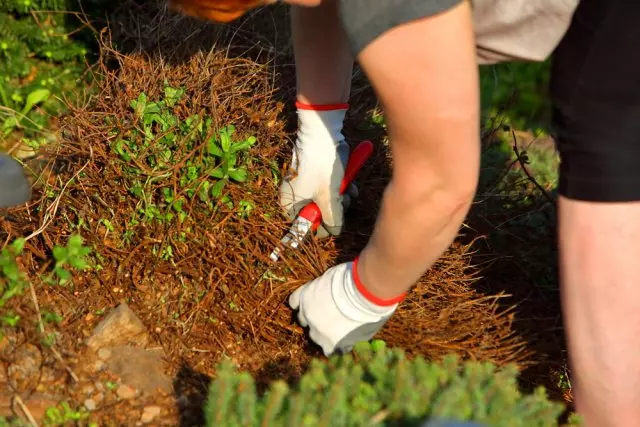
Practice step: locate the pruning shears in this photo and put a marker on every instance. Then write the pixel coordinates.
(309, 218)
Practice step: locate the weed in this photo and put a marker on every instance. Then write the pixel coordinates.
(63, 414)
(12, 281)
(73, 255)
(171, 162)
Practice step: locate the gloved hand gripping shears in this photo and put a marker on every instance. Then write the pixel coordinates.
(309, 218)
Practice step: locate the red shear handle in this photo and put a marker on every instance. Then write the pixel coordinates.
(358, 157)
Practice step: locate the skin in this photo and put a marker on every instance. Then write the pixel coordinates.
(599, 271)
(435, 145)
(318, 35)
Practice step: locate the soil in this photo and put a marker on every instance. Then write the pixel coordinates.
(217, 295)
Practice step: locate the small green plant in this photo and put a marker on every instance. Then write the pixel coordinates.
(71, 256)
(16, 120)
(63, 414)
(380, 386)
(12, 281)
(162, 149)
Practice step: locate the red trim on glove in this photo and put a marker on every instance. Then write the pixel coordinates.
(323, 107)
(368, 295)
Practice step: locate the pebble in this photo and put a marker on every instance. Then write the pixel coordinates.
(125, 392)
(98, 365)
(149, 413)
(90, 404)
(88, 389)
(104, 353)
(99, 397)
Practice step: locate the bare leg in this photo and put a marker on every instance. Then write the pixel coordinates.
(600, 273)
(323, 59)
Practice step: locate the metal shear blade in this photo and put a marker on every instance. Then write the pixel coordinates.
(298, 231)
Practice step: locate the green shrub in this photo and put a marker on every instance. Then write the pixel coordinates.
(43, 52)
(378, 386)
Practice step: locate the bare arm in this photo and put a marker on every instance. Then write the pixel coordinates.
(323, 59)
(425, 75)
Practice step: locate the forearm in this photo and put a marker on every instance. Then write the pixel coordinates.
(322, 56)
(435, 144)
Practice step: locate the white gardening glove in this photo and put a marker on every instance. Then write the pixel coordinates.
(317, 167)
(336, 310)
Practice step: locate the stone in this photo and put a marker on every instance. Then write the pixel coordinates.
(104, 353)
(88, 389)
(9, 342)
(24, 372)
(98, 366)
(120, 327)
(125, 392)
(149, 413)
(90, 404)
(139, 368)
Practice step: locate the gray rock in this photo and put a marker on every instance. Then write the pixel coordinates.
(139, 368)
(119, 327)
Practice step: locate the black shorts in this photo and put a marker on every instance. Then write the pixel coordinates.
(594, 88)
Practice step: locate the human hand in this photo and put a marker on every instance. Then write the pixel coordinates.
(318, 163)
(336, 311)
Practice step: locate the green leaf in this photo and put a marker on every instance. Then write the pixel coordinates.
(10, 271)
(239, 175)
(35, 97)
(63, 274)
(217, 173)
(172, 95)
(139, 105)
(10, 320)
(60, 253)
(17, 245)
(75, 242)
(213, 148)
(225, 137)
(203, 192)
(247, 143)
(232, 159)
(78, 263)
(216, 190)
(152, 108)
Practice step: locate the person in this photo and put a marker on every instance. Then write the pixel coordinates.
(421, 59)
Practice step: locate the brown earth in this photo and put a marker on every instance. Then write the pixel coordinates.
(214, 297)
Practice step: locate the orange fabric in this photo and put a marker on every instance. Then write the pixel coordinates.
(215, 10)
